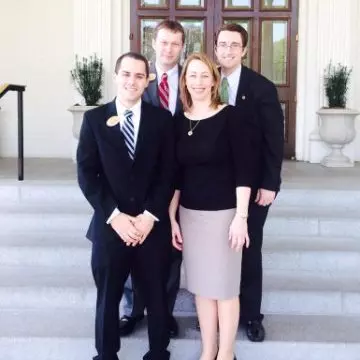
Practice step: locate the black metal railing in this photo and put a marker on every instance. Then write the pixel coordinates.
(4, 88)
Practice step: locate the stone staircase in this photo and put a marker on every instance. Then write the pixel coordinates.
(311, 278)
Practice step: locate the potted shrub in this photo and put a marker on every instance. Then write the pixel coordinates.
(87, 77)
(337, 127)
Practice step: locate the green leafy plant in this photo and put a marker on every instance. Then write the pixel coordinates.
(336, 83)
(87, 77)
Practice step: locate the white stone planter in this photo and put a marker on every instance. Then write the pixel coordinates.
(78, 114)
(337, 129)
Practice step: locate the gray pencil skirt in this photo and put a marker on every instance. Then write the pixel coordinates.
(212, 268)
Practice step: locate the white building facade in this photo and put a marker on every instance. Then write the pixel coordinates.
(43, 38)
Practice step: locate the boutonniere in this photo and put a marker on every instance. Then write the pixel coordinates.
(112, 121)
(152, 76)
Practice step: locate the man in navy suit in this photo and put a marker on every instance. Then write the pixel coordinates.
(244, 87)
(163, 91)
(125, 170)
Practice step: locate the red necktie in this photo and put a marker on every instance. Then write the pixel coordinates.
(164, 91)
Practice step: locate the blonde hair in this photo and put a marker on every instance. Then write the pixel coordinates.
(184, 93)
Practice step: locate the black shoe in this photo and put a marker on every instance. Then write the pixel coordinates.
(128, 324)
(255, 331)
(173, 327)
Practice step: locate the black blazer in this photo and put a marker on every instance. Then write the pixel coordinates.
(260, 93)
(109, 179)
(151, 94)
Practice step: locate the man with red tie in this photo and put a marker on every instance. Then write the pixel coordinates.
(162, 91)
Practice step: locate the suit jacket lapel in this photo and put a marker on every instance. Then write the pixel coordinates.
(153, 87)
(144, 129)
(243, 85)
(114, 135)
(178, 106)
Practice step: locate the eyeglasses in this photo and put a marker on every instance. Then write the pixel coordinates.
(232, 46)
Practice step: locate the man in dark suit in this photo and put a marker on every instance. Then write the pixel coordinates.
(162, 91)
(125, 170)
(243, 87)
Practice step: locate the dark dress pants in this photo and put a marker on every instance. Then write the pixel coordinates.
(252, 272)
(172, 286)
(111, 263)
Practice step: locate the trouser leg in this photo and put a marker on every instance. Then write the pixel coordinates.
(252, 272)
(151, 270)
(110, 268)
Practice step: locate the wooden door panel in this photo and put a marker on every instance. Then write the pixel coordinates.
(272, 48)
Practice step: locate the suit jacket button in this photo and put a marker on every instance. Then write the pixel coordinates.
(132, 199)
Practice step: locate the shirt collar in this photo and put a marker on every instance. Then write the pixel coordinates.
(234, 77)
(120, 108)
(174, 70)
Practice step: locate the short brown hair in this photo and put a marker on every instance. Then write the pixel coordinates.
(184, 93)
(135, 56)
(235, 28)
(171, 25)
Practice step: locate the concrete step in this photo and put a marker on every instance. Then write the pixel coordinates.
(312, 254)
(57, 191)
(312, 222)
(300, 292)
(49, 222)
(281, 221)
(308, 197)
(271, 242)
(68, 334)
(41, 192)
(286, 293)
(46, 240)
(45, 206)
(283, 253)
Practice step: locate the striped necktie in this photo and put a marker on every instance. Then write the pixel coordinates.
(164, 91)
(129, 133)
(224, 90)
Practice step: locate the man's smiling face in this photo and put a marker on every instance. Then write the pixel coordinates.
(229, 50)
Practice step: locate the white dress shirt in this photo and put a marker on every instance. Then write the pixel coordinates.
(136, 109)
(233, 80)
(173, 81)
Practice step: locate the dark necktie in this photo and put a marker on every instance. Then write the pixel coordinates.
(224, 90)
(164, 91)
(129, 133)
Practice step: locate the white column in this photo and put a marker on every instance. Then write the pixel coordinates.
(354, 100)
(101, 27)
(327, 32)
(120, 32)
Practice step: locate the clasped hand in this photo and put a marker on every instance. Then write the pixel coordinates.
(238, 233)
(132, 230)
(265, 197)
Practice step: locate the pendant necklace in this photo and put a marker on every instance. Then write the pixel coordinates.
(191, 129)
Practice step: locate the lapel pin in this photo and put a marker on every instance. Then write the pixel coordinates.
(152, 76)
(243, 97)
(112, 121)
